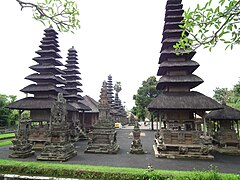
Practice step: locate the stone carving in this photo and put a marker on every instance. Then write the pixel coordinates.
(21, 146)
(102, 139)
(59, 148)
(136, 145)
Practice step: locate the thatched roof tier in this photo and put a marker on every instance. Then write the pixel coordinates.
(173, 18)
(44, 68)
(71, 66)
(80, 106)
(49, 60)
(45, 78)
(183, 101)
(48, 53)
(189, 66)
(227, 113)
(74, 83)
(174, 12)
(73, 97)
(73, 88)
(31, 103)
(71, 76)
(172, 25)
(90, 102)
(71, 71)
(174, 2)
(49, 46)
(174, 6)
(190, 81)
(33, 88)
(73, 60)
(165, 54)
(49, 40)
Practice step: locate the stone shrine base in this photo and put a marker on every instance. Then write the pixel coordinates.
(176, 155)
(21, 154)
(102, 149)
(228, 150)
(57, 153)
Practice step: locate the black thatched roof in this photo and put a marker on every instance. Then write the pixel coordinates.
(50, 60)
(190, 66)
(44, 68)
(190, 81)
(31, 103)
(33, 88)
(183, 101)
(80, 106)
(90, 102)
(227, 113)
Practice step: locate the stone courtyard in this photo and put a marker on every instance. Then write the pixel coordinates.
(224, 163)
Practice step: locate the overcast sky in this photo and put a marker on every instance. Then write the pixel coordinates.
(117, 37)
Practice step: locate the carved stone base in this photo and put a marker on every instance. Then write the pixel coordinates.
(102, 148)
(57, 152)
(136, 147)
(228, 150)
(177, 154)
(21, 154)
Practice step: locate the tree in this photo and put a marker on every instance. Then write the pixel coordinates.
(230, 97)
(207, 25)
(63, 14)
(7, 116)
(144, 96)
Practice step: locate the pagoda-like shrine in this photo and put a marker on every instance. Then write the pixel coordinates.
(59, 148)
(181, 111)
(136, 145)
(73, 97)
(110, 91)
(224, 127)
(44, 90)
(102, 139)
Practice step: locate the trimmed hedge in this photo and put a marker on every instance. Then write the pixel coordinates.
(7, 136)
(104, 172)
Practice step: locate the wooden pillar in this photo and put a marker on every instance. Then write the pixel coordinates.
(204, 124)
(152, 121)
(83, 120)
(157, 122)
(237, 121)
(160, 121)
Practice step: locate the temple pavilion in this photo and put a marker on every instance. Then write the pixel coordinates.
(180, 111)
(47, 83)
(224, 127)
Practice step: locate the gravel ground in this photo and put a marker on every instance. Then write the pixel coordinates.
(224, 163)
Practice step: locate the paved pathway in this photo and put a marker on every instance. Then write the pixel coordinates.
(224, 163)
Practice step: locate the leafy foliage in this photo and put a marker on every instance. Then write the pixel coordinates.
(206, 26)
(231, 97)
(63, 14)
(7, 117)
(144, 96)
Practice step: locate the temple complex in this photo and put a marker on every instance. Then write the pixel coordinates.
(102, 139)
(75, 118)
(180, 111)
(59, 148)
(47, 83)
(224, 127)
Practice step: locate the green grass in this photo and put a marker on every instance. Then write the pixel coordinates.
(7, 136)
(104, 172)
(5, 143)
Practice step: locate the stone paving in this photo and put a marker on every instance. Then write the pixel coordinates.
(224, 163)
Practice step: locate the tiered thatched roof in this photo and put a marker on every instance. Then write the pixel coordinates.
(176, 79)
(227, 113)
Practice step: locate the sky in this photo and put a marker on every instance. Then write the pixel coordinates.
(117, 37)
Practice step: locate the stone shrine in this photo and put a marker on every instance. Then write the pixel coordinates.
(21, 145)
(59, 148)
(136, 145)
(102, 139)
